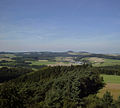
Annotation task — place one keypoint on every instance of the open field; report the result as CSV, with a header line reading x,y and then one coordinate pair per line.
x,y
108,62
96,60
101,61
78,53
7,55
43,62
50,63
64,59
6,59
111,78
61,64
112,85
10,55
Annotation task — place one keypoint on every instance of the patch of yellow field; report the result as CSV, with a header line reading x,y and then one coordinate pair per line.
x,y
111,87
68,58
43,60
7,59
64,59
78,53
7,55
61,64
96,59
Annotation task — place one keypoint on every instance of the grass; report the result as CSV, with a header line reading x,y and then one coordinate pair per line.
x,y
103,62
112,85
4,57
78,53
1,66
7,59
49,63
41,62
58,59
10,55
7,55
114,89
111,79
108,62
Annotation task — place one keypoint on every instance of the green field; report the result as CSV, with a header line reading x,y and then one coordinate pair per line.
x,y
101,61
7,55
112,85
42,62
111,78
6,59
108,62
10,55
1,66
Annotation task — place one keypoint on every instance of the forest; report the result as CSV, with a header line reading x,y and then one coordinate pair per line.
x,y
28,81
54,87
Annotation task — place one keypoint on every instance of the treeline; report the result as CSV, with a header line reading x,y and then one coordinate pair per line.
x,y
78,58
107,101
109,70
7,74
20,63
56,87
40,55
51,87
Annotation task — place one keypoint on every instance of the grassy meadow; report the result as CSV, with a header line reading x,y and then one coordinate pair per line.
x,y
108,62
111,79
101,61
112,85
41,62
49,63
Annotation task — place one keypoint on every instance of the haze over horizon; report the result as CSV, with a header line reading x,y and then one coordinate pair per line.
x,y
60,25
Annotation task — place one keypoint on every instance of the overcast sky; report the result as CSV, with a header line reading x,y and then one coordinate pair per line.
x,y
60,25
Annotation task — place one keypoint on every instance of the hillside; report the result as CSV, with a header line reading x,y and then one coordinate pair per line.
x,y
51,87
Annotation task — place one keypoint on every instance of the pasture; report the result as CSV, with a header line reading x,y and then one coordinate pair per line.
x,y
111,79
112,85
42,62
108,62
6,59
51,63
101,61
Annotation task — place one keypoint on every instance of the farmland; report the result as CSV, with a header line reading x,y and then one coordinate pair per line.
x,y
96,61
111,78
112,85
60,69
50,63
41,62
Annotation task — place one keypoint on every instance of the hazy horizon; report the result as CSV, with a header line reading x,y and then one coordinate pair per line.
x,y
60,25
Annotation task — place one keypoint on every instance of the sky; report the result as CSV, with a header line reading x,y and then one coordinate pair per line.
x,y
60,25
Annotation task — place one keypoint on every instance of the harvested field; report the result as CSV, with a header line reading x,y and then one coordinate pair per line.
x,y
6,59
61,64
111,87
96,59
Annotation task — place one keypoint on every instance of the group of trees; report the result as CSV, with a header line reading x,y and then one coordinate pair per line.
x,y
54,87
107,101
109,70
7,74
51,87
79,57
19,63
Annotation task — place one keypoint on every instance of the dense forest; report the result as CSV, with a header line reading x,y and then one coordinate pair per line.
x,y
27,85
54,87
7,74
